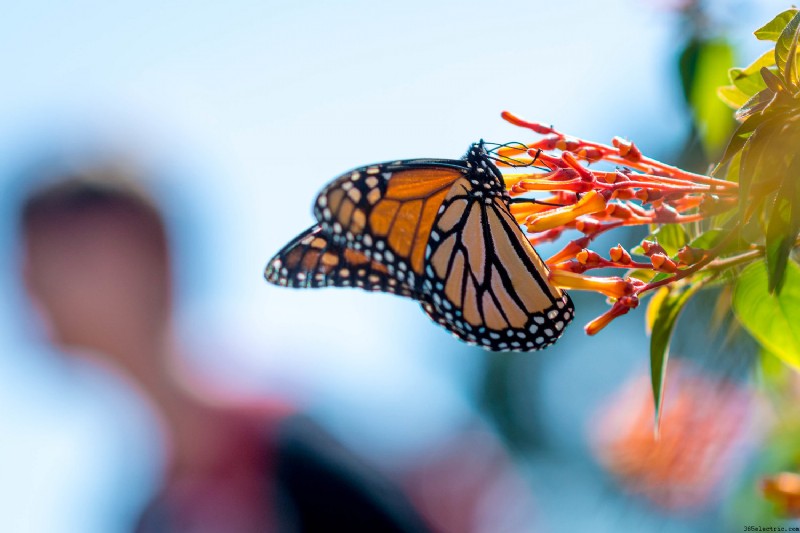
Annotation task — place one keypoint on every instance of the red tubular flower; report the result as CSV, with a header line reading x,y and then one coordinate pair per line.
x,y
592,202
705,425
513,119
583,172
639,191
611,287
569,251
619,308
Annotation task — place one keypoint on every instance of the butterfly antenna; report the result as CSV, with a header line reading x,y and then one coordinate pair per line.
x,y
533,201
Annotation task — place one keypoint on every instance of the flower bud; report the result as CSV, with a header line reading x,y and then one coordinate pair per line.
x,y
620,307
620,255
662,263
588,257
652,247
590,154
570,250
624,194
627,149
587,225
585,174
689,256
618,211
783,489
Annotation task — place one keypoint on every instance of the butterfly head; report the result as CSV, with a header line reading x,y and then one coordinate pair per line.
x,y
477,150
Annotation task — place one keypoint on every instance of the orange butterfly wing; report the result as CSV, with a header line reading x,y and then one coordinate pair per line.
x,y
387,210
441,232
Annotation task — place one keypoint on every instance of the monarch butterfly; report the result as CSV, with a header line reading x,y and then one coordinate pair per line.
x,y
438,231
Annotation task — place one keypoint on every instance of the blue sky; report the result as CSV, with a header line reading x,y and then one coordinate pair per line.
x,y
243,110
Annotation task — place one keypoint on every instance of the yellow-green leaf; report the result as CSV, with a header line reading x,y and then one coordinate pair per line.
x,y
784,221
732,96
771,319
758,165
662,327
671,237
786,51
767,59
713,118
772,29
653,306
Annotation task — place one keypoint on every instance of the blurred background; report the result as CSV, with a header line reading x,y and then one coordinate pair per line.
x,y
233,116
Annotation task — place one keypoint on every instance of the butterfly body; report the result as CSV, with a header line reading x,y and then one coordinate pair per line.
x,y
438,231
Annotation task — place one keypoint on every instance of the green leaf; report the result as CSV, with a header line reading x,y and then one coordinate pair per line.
x,y
669,308
653,306
786,52
732,96
771,319
708,239
774,81
740,136
778,242
749,79
733,169
767,59
746,82
771,370
671,237
771,31
642,274
756,172
759,101
712,117
687,66
724,219
784,58
711,238
784,223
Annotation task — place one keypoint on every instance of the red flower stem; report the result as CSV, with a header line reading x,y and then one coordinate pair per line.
x,y
654,178
605,263
648,165
590,237
669,189
613,155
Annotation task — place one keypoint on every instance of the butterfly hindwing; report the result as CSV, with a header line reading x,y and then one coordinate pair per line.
x,y
313,260
484,280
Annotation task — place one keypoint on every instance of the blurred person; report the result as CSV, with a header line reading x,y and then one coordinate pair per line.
x,y
96,264
469,483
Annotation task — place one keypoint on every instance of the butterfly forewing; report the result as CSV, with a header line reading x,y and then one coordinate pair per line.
x,y
387,211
